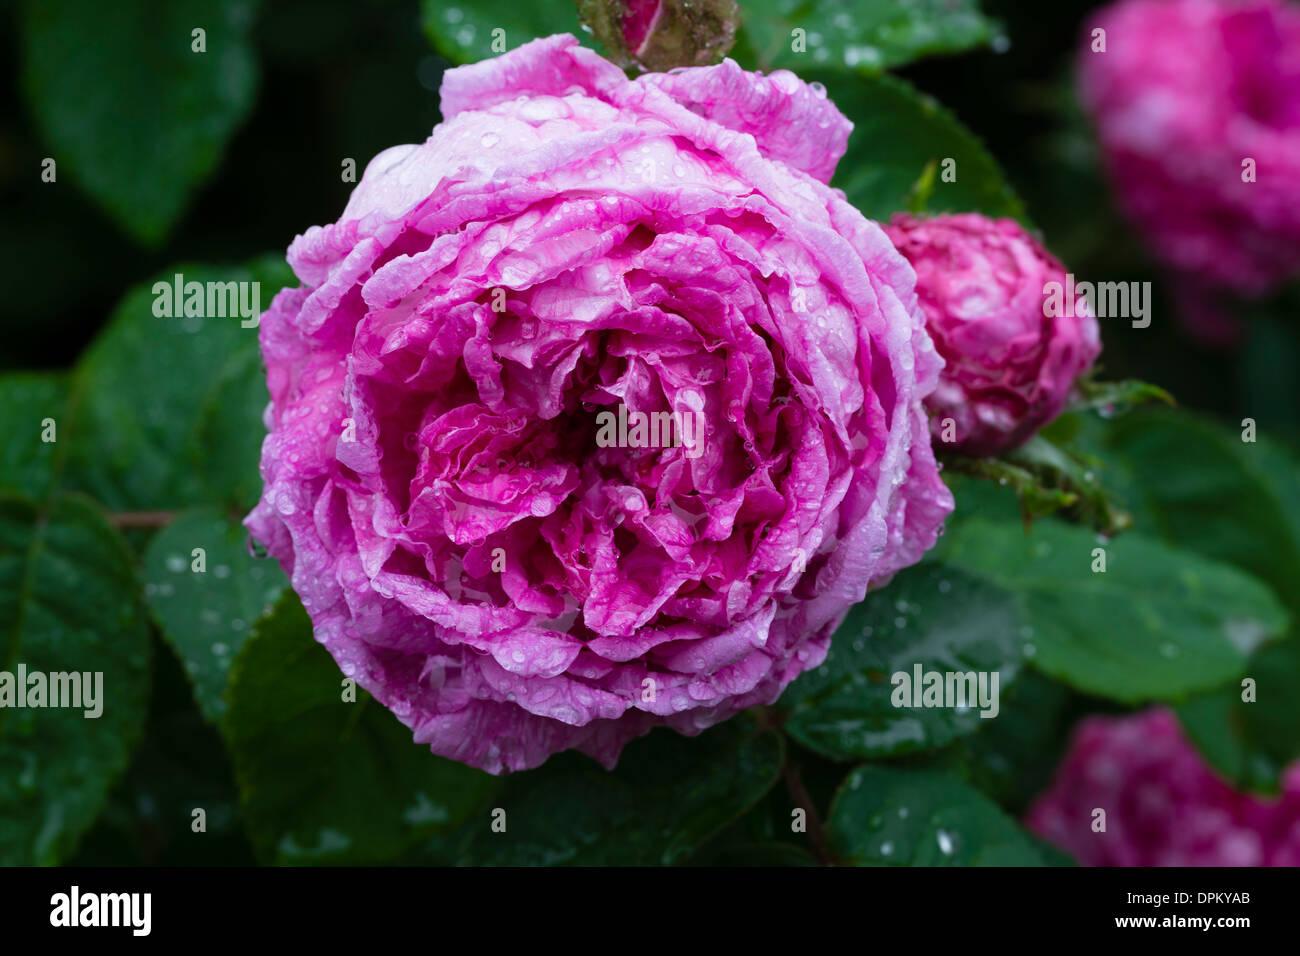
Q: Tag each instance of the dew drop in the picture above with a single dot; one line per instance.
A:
(945, 841)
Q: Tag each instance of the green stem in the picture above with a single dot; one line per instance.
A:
(803, 799)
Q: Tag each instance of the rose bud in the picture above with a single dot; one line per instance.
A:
(597, 410)
(662, 34)
(1009, 366)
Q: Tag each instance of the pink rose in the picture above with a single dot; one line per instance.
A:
(569, 246)
(1164, 805)
(1191, 98)
(1009, 367)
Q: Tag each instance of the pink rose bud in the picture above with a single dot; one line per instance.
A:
(1197, 106)
(983, 285)
(662, 34)
(1133, 791)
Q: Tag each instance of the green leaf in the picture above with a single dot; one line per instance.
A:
(897, 133)
(976, 498)
(1157, 624)
(918, 197)
(1219, 724)
(940, 618)
(129, 111)
(1210, 492)
(765, 831)
(207, 615)
(1049, 475)
(861, 34)
(1116, 398)
(230, 432)
(324, 780)
(179, 767)
(667, 797)
(1051, 855)
(1237, 502)
(35, 404)
(1267, 726)
(1012, 759)
(149, 387)
(759, 854)
(1076, 475)
(69, 602)
(1036, 495)
(462, 32)
(1268, 361)
(895, 817)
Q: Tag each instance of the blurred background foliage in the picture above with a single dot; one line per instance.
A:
(166, 158)
(340, 78)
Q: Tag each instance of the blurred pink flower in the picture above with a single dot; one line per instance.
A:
(1164, 805)
(1190, 99)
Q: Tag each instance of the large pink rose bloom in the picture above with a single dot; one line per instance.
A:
(1164, 805)
(1184, 93)
(1009, 368)
(565, 243)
